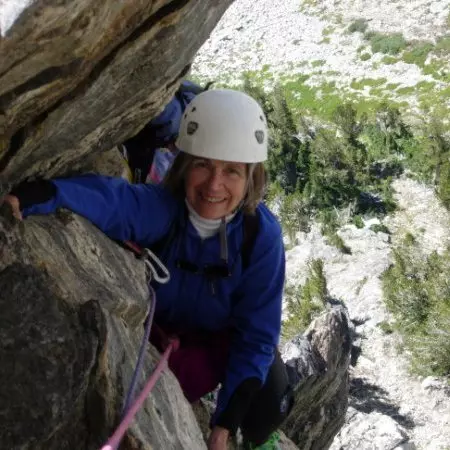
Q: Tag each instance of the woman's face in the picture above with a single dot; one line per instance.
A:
(215, 188)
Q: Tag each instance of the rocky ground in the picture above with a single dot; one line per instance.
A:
(311, 37)
(389, 407)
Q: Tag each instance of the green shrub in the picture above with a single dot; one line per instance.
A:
(370, 82)
(294, 215)
(365, 56)
(390, 44)
(443, 45)
(406, 90)
(417, 291)
(359, 25)
(379, 228)
(318, 63)
(304, 303)
(388, 60)
(358, 222)
(392, 86)
(418, 54)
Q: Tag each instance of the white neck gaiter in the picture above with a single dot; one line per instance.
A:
(205, 227)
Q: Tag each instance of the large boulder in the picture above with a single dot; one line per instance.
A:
(73, 305)
(318, 363)
(77, 78)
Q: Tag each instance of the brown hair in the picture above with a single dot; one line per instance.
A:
(256, 181)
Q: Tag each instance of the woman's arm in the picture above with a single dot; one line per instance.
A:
(123, 211)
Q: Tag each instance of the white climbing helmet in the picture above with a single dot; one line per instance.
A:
(226, 125)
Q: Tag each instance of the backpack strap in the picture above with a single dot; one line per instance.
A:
(251, 228)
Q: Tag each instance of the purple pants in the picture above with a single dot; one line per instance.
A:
(200, 362)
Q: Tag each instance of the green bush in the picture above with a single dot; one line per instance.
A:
(379, 228)
(417, 291)
(359, 25)
(443, 45)
(390, 44)
(358, 222)
(294, 215)
(304, 303)
(388, 60)
(418, 54)
(365, 56)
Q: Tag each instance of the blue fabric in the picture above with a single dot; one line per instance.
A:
(248, 302)
(167, 123)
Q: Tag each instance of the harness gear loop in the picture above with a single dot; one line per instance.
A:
(153, 265)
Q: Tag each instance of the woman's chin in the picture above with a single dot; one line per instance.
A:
(211, 211)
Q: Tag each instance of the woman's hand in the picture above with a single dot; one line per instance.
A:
(13, 201)
(218, 439)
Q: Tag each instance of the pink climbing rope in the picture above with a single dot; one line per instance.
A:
(114, 441)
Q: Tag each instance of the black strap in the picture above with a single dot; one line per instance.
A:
(251, 227)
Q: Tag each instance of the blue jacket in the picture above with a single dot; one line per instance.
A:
(249, 302)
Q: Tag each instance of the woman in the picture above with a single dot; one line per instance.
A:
(227, 313)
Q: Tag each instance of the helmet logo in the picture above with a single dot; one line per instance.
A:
(259, 134)
(191, 128)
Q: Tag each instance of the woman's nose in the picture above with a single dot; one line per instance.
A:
(215, 180)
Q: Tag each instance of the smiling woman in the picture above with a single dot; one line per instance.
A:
(224, 298)
(215, 188)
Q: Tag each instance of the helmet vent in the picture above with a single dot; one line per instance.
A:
(259, 134)
(191, 128)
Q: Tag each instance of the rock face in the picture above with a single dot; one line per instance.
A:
(79, 78)
(319, 361)
(73, 304)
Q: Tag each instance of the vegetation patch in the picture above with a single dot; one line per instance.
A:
(388, 60)
(443, 45)
(418, 53)
(392, 86)
(407, 90)
(425, 85)
(365, 56)
(304, 303)
(359, 25)
(417, 292)
(370, 82)
(318, 63)
(390, 44)
(379, 228)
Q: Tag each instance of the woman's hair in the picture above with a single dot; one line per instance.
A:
(256, 181)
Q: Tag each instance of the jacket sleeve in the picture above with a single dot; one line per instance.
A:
(123, 211)
(256, 323)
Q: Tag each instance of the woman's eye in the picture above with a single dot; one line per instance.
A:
(234, 171)
(199, 163)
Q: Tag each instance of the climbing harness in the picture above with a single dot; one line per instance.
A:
(155, 270)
